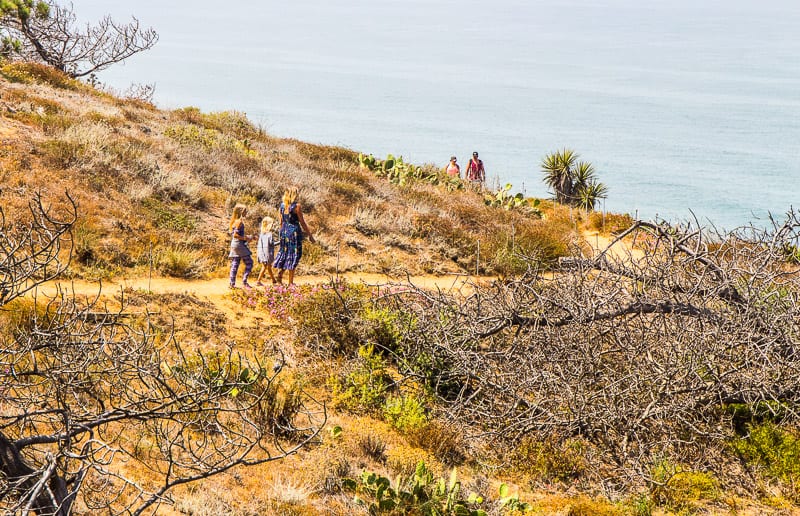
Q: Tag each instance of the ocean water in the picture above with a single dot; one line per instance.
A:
(686, 108)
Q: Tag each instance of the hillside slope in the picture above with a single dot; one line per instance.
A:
(154, 189)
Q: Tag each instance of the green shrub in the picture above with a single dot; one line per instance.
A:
(406, 413)
(437, 374)
(774, 451)
(678, 488)
(746, 415)
(382, 326)
(364, 389)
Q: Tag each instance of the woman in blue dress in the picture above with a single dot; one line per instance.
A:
(293, 230)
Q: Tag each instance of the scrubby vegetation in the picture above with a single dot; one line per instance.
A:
(667, 376)
(658, 375)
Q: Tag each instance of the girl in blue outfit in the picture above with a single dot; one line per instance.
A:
(293, 230)
(239, 250)
(266, 249)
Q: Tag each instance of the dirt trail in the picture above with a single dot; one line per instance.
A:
(216, 290)
(620, 250)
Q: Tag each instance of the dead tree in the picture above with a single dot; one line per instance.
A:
(643, 354)
(48, 33)
(84, 390)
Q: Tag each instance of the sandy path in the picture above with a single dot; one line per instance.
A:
(620, 250)
(216, 289)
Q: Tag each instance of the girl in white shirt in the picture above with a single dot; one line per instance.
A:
(266, 249)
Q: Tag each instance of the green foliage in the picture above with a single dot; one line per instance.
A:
(384, 325)
(678, 488)
(746, 415)
(641, 505)
(406, 413)
(364, 389)
(572, 182)
(420, 493)
(436, 372)
(401, 173)
(511, 502)
(336, 431)
(23, 9)
(503, 199)
(773, 450)
(792, 253)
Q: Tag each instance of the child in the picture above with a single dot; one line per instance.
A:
(266, 249)
(239, 250)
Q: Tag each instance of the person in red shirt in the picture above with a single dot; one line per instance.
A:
(475, 172)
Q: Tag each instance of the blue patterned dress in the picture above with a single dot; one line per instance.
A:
(291, 240)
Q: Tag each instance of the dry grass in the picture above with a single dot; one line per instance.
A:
(155, 189)
(119, 156)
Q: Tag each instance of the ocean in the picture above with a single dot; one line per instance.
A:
(686, 108)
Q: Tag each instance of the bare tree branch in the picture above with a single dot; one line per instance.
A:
(52, 36)
(82, 389)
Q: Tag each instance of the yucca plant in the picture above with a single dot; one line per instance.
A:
(572, 182)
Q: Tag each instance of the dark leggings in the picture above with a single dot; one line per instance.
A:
(248, 266)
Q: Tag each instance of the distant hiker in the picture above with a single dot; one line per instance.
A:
(452, 169)
(265, 251)
(292, 230)
(239, 250)
(475, 172)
